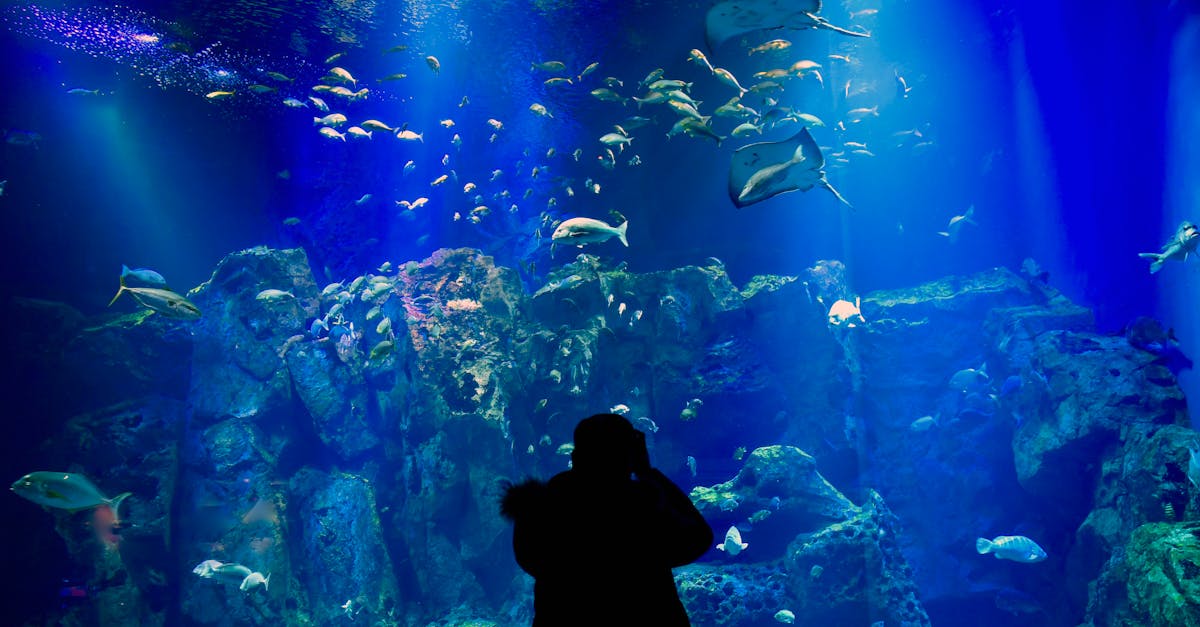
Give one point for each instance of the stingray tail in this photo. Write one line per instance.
(826, 185)
(820, 22)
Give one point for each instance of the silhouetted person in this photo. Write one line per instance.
(600, 544)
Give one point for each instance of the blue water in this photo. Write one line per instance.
(1059, 123)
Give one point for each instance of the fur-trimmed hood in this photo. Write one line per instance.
(523, 499)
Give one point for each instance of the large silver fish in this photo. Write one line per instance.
(765, 169)
(734, 18)
(163, 301)
(64, 490)
(580, 231)
(1187, 237)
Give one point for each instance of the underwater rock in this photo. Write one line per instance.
(33, 353)
(853, 572)
(780, 491)
(1099, 391)
(240, 340)
(341, 549)
(733, 594)
(345, 414)
(782, 311)
(1162, 578)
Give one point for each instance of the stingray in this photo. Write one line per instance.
(760, 171)
(733, 18)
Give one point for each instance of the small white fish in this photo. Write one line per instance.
(847, 314)
(733, 542)
(691, 465)
(409, 167)
(923, 423)
(957, 223)
(786, 617)
(409, 136)
(254, 580)
(205, 569)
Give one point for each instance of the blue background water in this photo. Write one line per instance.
(1065, 124)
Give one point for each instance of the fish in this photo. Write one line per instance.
(607, 95)
(164, 301)
(205, 568)
(761, 170)
(331, 133)
(281, 77)
(1179, 248)
(376, 125)
(746, 129)
(333, 119)
(786, 617)
(495, 124)
(733, 542)
(775, 45)
(392, 77)
(294, 103)
(923, 423)
(230, 572)
(1010, 385)
(409, 166)
(145, 276)
(654, 75)
(1014, 548)
(666, 84)
(397, 48)
(273, 296)
(319, 104)
(262, 89)
(541, 110)
(691, 465)
(615, 139)
(219, 94)
(861, 113)
(733, 19)
(410, 136)
(844, 313)
(334, 57)
(580, 231)
(549, 66)
(1193, 471)
(358, 132)
(341, 75)
(254, 580)
(956, 224)
(970, 380)
(65, 490)
(592, 67)
(263, 510)
(902, 88)
(434, 64)
(78, 91)
(695, 56)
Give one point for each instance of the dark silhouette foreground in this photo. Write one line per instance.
(600, 544)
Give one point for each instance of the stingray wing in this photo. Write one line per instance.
(734, 18)
(752, 159)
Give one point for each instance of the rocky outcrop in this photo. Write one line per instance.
(351, 440)
(810, 551)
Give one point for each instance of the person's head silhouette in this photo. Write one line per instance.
(604, 446)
